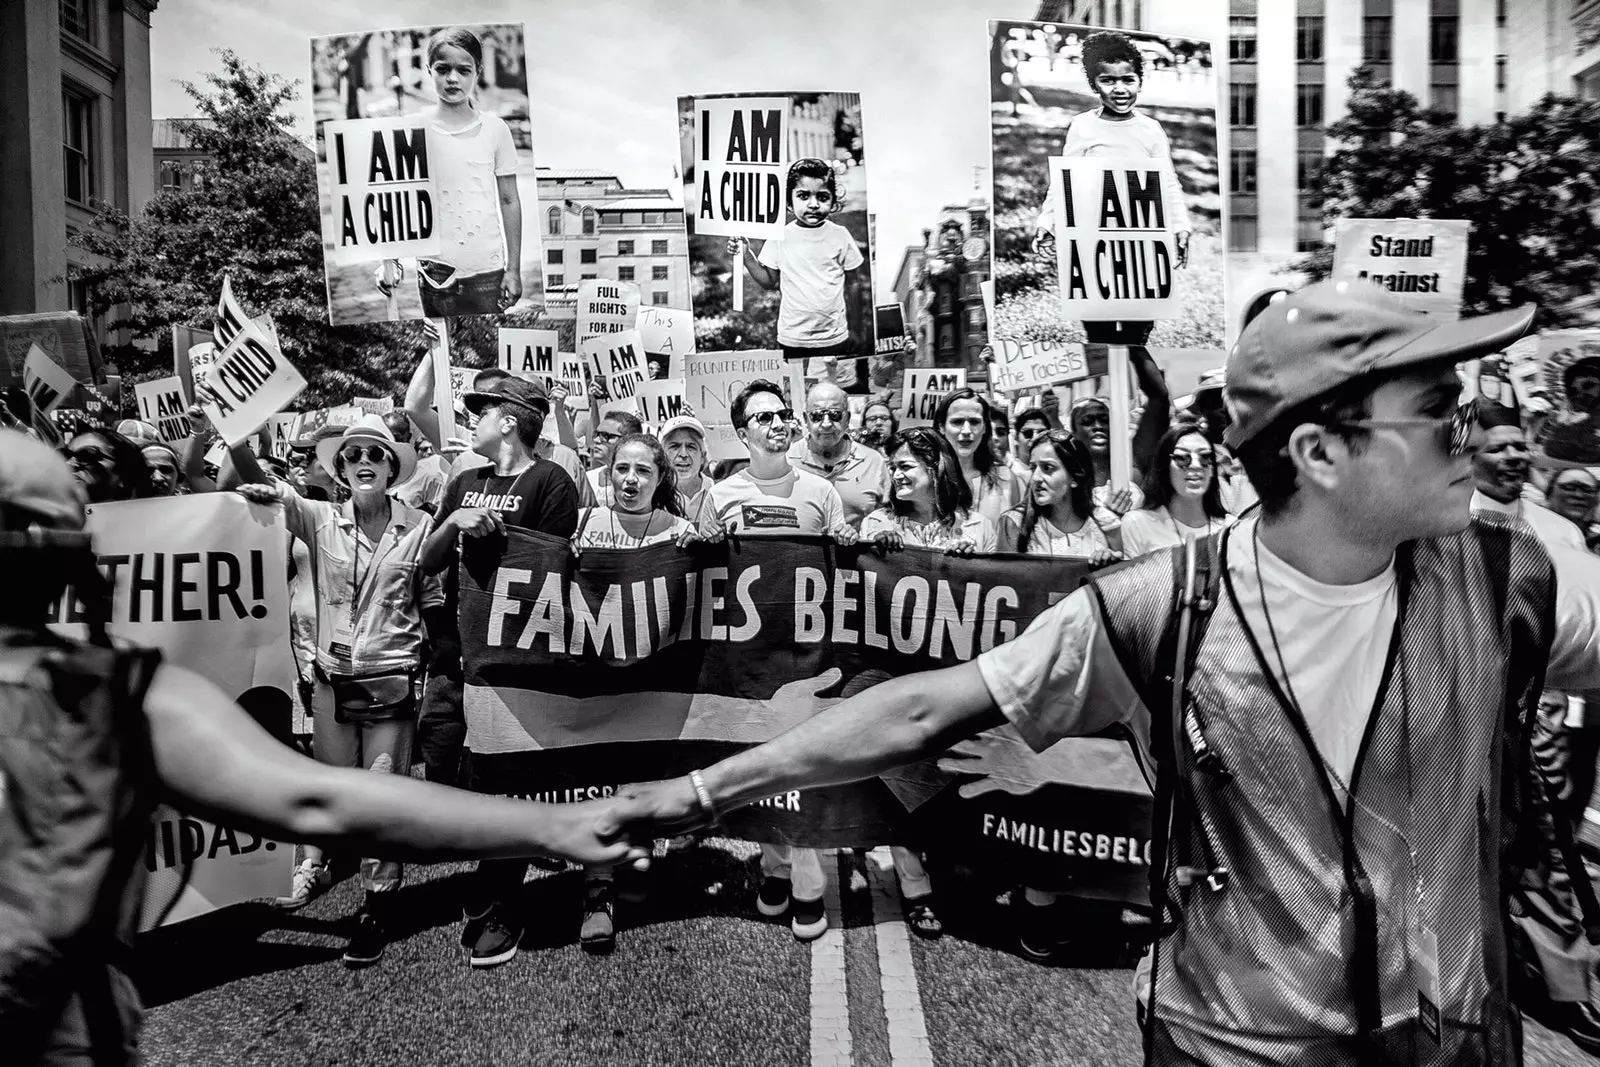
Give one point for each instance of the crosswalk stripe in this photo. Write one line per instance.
(902, 997)
(830, 999)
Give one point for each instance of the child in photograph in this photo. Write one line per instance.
(808, 266)
(1115, 71)
(478, 270)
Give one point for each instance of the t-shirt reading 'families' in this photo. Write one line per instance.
(604, 527)
(542, 498)
(797, 503)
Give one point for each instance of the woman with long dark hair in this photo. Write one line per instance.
(1182, 497)
(963, 418)
(645, 507)
(930, 504)
(1057, 516)
(108, 466)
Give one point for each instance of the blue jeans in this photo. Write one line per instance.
(445, 293)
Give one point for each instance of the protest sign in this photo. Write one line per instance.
(922, 391)
(282, 431)
(385, 197)
(46, 382)
(889, 322)
(1571, 377)
(1115, 243)
(251, 382)
(606, 307)
(1030, 365)
(573, 372)
(65, 337)
(373, 405)
(741, 145)
(619, 359)
(202, 579)
(1423, 262)
(667, 331)
(581, 675)
(713, 379)
(530, 353)
(659, 401)
(161, 405)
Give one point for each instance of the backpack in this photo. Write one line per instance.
(77, 789)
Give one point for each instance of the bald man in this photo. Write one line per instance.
(859, 473)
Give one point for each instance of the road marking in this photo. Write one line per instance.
(830, 999)
(902, 998)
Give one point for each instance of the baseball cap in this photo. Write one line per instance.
(683, 422)
(520, 391)
(140, 433)
(1332, 332)
(35, 479)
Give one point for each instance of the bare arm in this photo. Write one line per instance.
(419, 401)
(764, 276)
(1157, 407)
(440, 547)
(217, 762)
(511, 218)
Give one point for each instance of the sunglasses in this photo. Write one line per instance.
(87, 454)
(1184, 460)
(826, 415)
(1458, 426)
(878, 418)
(367, 453)
(764, 418)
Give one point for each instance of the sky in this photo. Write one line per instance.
(607, 73)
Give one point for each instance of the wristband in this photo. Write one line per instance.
(703, 795)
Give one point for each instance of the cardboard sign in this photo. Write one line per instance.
(890, 328)
(1030, 365)
(606, 307)
(385, 202)
(161, 404)
(741, 147)
(659, 401)
(530, 353)
(250, 379)
(666, 331)
(1115, 242)
(373, 405)
(619, 359)
(1423, 262)
(922, 391)
(282, 430)
(713, 379)
(47, 382)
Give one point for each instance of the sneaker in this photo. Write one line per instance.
(497, 938)
(366, 947)
(809, 920)
(311, 880)
(773, 900)
(599, 932)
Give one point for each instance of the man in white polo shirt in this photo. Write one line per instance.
(860, 474)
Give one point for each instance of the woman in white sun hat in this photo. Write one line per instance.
(370, 593)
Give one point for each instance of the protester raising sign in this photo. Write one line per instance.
(659, 401)
(740, 149)
(606, 307)
(713, 379)
(628, 665)
(619, 359)
(1115, 242)
(1423, 262)
(922, 391)
(161, 405)
(1021, 366)
(47, 383)
(202, 579)
(250, 380)
(529, 353)
(384, 199)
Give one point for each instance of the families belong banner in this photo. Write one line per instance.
(741, 148)
(202, 579)
(1423, 262)
(582, 674)
(385, 200)
(1115, 240)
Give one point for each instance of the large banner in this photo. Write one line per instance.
(583, 674)
(203, 579)
(1423, 262)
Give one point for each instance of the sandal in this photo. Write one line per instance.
(920, 917)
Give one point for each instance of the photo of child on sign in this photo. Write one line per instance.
(1145, 260)
(777, 212)
(425, 172)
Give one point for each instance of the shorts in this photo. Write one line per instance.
(445, 293)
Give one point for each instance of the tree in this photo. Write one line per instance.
(1527, 185)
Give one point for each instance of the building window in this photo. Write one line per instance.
(624, 248)
(77, 19)
(1377, 39)
(1242, 233)
(1308, 169)
(554, 255)
(1308, 235)
(555, 281)
(588, 221)
(650, 218)
(658, 248)
(588, 277)
(1242, 104)
(553, 222)
(588, 255)
(1308, 38)
(1446, 98)
(1443, 32)
(1242, 39)
(624, 274)
(1242, 166)
(1500, 74)
(77, 143)
(1308, 105)
(658, 299)
(171, 177)
(658, 274)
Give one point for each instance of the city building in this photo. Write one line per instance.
(592, 226)
(175, 156)
(76, 78)
(938, 289)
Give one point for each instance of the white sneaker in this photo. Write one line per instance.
(311, 880)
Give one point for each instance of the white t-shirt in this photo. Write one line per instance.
(993, 497)
(1137, 137)
(465, 164)
(1049, 539)
(799, 502)
(1147, 530)
(968, 526)
(604, 528)
(1551, 529)
(811, 261)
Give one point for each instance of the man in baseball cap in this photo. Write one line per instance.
(684, 439)
(1349, 755)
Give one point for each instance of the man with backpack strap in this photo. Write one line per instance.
(1347, 773)
(92, 737)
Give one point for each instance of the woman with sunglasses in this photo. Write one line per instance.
(108, 466)
(1057, 517)
(963, 417)
(1182, 495)
(370, 594)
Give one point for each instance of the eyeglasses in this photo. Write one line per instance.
(884, 418)
(764, 418)
(1458, 425)
(826, 414)
(364, 453)
(1031, 432)
(605, 438)
(87, 454)
(1184, 460)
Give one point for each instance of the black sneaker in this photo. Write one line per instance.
(809, 921)
(598, 934)
(497, 939)
(366, 947)
(773, 900)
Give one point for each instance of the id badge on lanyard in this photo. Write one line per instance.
(1425, 966)
(344, 627)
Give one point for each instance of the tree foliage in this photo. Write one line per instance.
(1528, 186)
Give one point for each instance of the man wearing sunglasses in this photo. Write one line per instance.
(859, 473)
(1362, 693)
